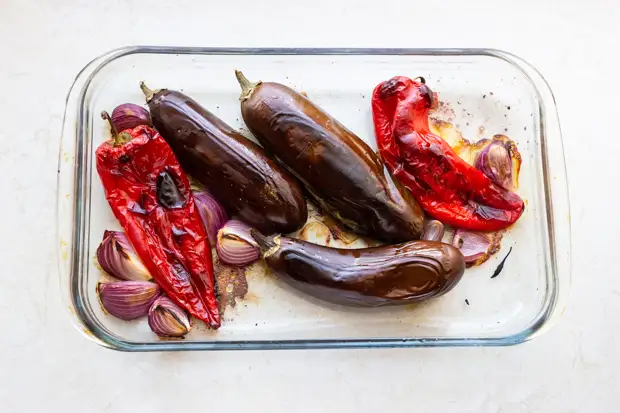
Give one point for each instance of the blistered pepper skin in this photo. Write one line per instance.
(447, 187)
(150, 196)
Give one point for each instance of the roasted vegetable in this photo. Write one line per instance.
(150, 196)
(368, 277)
(127, 299)
(117, 257)
(128, 116)
(211, 212)
(235, 246)
(433, 231)
(234, 169)
(477, 247)
(497, 161)
(341, 172)
(448, 188)
(493, 162)
(167, 319)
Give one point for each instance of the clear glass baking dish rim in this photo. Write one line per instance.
(556, 193)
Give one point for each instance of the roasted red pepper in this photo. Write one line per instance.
(446, 186)
(151, 197)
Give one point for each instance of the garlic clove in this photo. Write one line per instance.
(477, 247)
(117, 257)
(127, 300)
(167, 319)
(211, 212)
(500, 161)
(129, 115)
(235, 246)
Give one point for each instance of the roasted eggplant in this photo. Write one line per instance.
(339, 170)
(368, 277)
(234, 169)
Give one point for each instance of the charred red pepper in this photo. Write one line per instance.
(446, 186)
(151, 197)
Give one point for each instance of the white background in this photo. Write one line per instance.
(45, 365)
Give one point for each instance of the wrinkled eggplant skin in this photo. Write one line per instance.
(234, 169)
(340, 171)
(368, 277)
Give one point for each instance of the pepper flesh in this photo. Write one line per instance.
(151, 198)
(446, 186)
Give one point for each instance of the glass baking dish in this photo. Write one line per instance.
(484, 91)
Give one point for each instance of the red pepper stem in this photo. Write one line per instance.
(247, 87)
(119, 138)
(106, 116)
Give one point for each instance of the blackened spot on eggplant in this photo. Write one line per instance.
(168, 193)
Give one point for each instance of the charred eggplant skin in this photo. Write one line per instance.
(368, 277)
(339, 170)
(234, 169)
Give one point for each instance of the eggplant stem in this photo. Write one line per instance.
(263, 242)
(268, 245)
(247, 87)
(148, 93)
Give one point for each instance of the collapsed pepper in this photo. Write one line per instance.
(446, 186)
(150, 196)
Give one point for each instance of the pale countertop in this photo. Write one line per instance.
(46, 365)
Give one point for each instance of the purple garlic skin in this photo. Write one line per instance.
(117, 257)
(128, 116)
(167, 319)
(127, 300)
(477, 247)
(211, 212)
(500, 160)
(235, 246)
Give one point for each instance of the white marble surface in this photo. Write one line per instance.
(47, 366)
